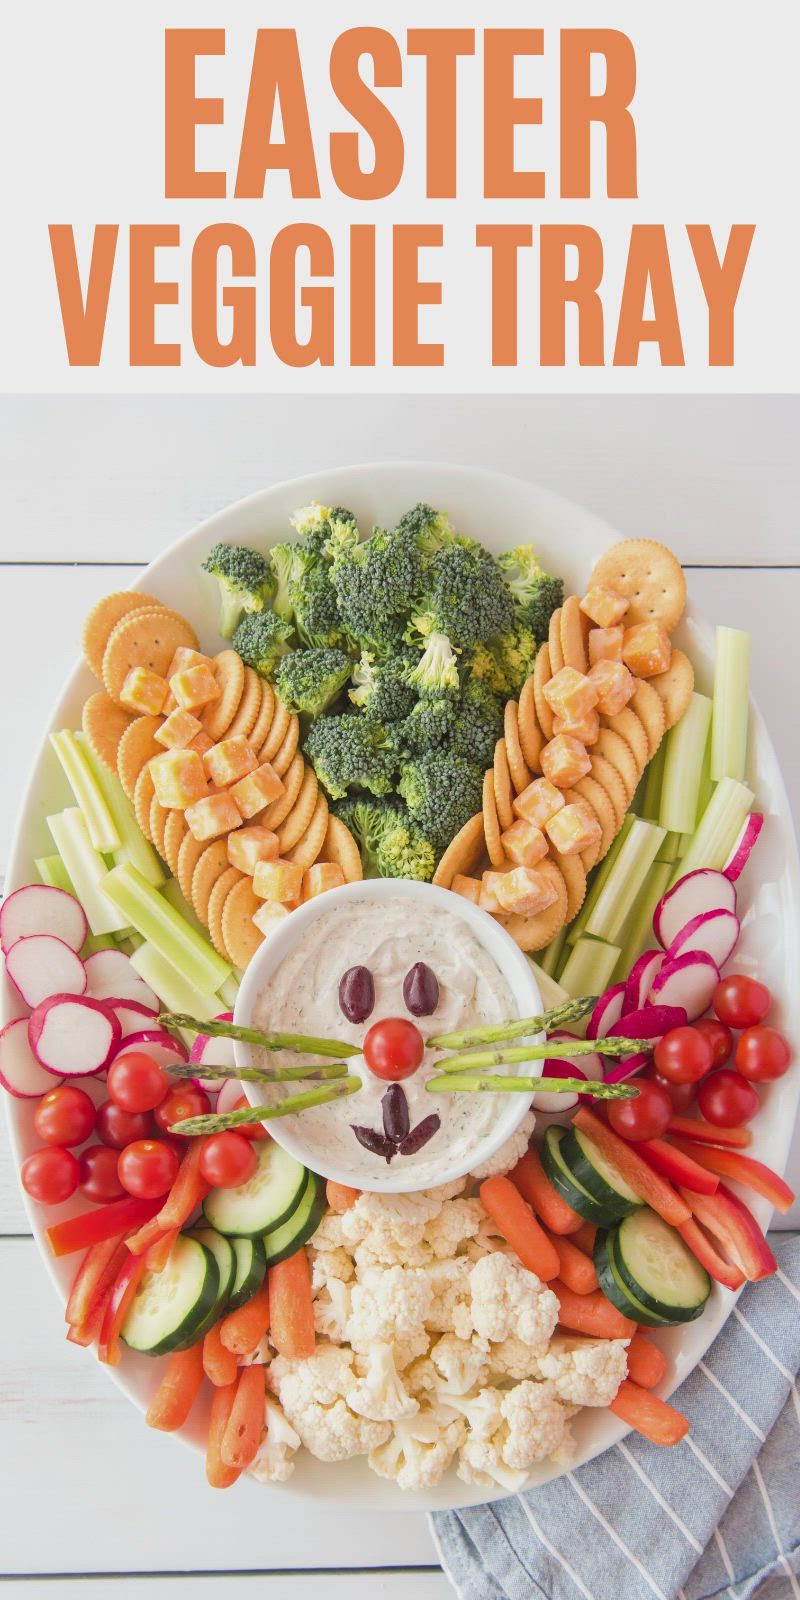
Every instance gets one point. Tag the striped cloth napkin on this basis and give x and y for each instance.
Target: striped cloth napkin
(717, 1515)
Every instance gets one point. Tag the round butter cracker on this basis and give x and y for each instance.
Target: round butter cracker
(145, 638)
(309, 846)
(342, 851)
(674, 687)
(649, 576)
(517, 765)
(463, 852)
(103, 619)
(137, 746)
(491, 827)
(503, 792)
(240, 936)
(542, 673)
(104, 723)
(530, 734)
(219, 714)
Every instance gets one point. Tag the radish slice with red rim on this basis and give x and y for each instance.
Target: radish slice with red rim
(697, 893)
(739, 855)
(219, 1052)
(590, 1068)
(230, 1091)
(687, 981)
(133, 1016)
(157, 1043)
(111, 976)
(640, 978)
(607, 1012)
(38, 908)
(40, 965)
(20, 1072)
(73, 1036)
(715, 932)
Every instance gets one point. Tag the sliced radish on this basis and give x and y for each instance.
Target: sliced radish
(687, 981)
(648, 1023)
(231, 1091)
(40, 909)
(715, 932)
(111, 976)
(133, 1015)
(738, 857)
(40, 965)
(590, 1068)
(607, 1013)
(640, 978)
(158, 1044)
(20, 1072)
(697, 893)
(72, 1036)
(218, 1051)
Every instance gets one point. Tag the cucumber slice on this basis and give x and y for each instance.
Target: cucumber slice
(222, 1251)
(659, 1269)
(614, 1288)
(598, 1175)
(249, 1268)
(169, 1307)
(565, 1184)
(304, 1221)
(265, 1200)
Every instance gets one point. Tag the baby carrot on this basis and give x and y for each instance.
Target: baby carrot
(646, 1363)
(584, 1237)
(159, 1252)
(575, 1268)
(592, 1314)
(340, 1196)
(291, 1307)
(219, 1364)
(218, 1473)
(175, 1395)
(659, 1423)
(241, 1330)
(519, 1227)
(245, 1424)
(530, 1178)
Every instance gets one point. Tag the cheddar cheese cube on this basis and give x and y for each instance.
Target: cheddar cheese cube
(525, 891)
(646, 649)
(538, 802)
(195, 687)
(487, 898)
(213, 816)
(270, 915)
(179, 730)
(178, 778)
(586, 728)
(144, 692)
(614, 684)
(201, 743)
(468, 888)
(278, 880)
(605, 644)
(230, 760)
(604, 607)
(322, 876)
(257, 790)
(524, 843)
(574, 828)
(570, 694)
(185, 658)
(248, 846)
(564, 761)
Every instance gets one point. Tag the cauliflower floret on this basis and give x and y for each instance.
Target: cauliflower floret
(391, 1306)
(512, 1359)
(329, 1235)
(332, 1310)
(421, 1377)
(260, 1357)
(420, 1449)
(537, 1422)
(402, 1216)
(509, 1153)
(507, 1300)
(460, 1364)
(380, 1393)
(480, 1458)
(381, 1249)
(449, 1310)
(313, 1395)
(457, 1221)
(274, 1460)
(509, 1431)
(327, 1264)
(587, 1372)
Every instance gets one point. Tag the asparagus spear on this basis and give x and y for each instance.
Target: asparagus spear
(268, 1041)
(469, 1060)
(283, 1108)
(519, 1028)
(194, 1069)
(470, 1083)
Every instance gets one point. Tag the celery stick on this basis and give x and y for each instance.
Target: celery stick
(706, 785)
(624, 883)
(671, 848)
(654, 773)
(133, 846)
(80, 776)
(683, 765)
(589, 967)
(551, 992)
(551, 956)
(718, 828)
(86, 869)
(227, 992)
(731, 704)
(173, 892)
(172, 988)
(52, 871)
(155, 919)
(637, 934)
(600, 878)
(98, 941)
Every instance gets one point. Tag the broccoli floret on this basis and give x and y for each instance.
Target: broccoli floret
(261, 640)
(431, 724)
(377, 582)
(390, 843)
(536, 594)
(310, 680)
(466, 724)
(314, 605)
(504, 663)
(437, 667)
(287, 561)
(245, 579)
(442, 792)
(467, 598)
(350, 752)
(380, 688)
(428, 527)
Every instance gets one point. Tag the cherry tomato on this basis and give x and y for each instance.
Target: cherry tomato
(147, 1168)
(681, 1094)
(741, 1002)
(683, 1055)
(250, 1130)
(181, 1103)
(117, 1127)
(227, 1160)
(99, 1178)
(136, 1082)
(719, 1037)
(50, 1175)
(646, 1117)
(64, 1116)
(762, 1054)
(393, 1048)
(727, 1099)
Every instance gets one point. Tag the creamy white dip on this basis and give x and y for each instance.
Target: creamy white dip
(388, 937)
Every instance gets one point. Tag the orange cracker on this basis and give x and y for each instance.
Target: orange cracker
(249, 706)
(189, 854)
(229, 673)
(308, 848)
(674, 687)
(649, 576)
(517, 765)
(542, 673)
(573, 872)
(103, 619)
(175, 832)
(104, 723)
(595, 795)
(211, 864)
(609, 779)
(285, 755)
(278, 811)
(530, 734)
(554, 643)
(136, 748)
(632, 730)
(463, 852)
(145, 638)
(614, 748)
(279, 728)
(341, 849)
(503, 792)
(142, 801)
(491, 826)
(293, 827)
(240, 935)
(159, 817)
(216, 905)
(649, 708)
(260, 729)
(572, 633)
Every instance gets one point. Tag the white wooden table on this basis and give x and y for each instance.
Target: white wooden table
(90, 491)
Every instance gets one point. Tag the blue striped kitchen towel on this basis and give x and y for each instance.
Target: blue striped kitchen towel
(717, 1515)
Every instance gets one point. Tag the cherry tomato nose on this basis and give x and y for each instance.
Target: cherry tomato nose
(393, 1048)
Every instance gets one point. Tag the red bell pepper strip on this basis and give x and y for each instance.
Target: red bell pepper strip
(95, 1275)
(159, 1253)
(89, 1331)
(649, 1185)
(716, 1266)
(105, 1222)
(678, 1165)
(127, 1282)
(186, 1194)
(729, 1221)
(743, 1169)
(706, 1133)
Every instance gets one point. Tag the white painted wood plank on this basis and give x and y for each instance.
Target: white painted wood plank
(402, 1585)
(118, 477)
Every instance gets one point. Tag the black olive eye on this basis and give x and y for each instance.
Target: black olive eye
(357, 993)
(421, 990)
